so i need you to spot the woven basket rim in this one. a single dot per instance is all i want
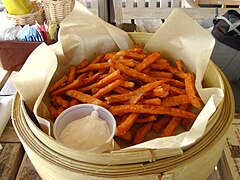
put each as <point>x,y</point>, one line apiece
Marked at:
<point>23,15</point>
<point>58,1</point>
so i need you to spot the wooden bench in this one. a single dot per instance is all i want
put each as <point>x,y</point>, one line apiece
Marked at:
<point>129,11</point>
<point>222,3</point>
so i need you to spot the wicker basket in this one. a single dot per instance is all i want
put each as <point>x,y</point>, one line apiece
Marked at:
<point>57,10</point>
<point>31,18</point>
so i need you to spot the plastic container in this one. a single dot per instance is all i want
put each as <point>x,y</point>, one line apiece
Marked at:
<point>80,111</point>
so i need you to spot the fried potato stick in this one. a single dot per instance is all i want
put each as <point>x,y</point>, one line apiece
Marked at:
<point>126,125</point>
<point>58,83</point>
<point>72,73</point>
<point>161,123</point>
<point>142,132</point>
<point>146,119</point>
<point>86,98</point>
<point>147,61</point>
<point>73,102</point>
<point>62,102</point>
<point>151,109</point>
<point>82,64</point>
<point>126,96</point>
<point>98,59</point>
<point>152,101</point>
<point>175,100</point>
<point>103,82</point>
<point>121,90</point>
<point>92,67</point>
<point>174,123</point>
<point>91,79</point>
<point>180,65</point>
<point>128,62</point>
<point>127,84</point>
<point>160,74</point>
<point>132,72</point>
<point>134,55</point>
<point>77,83</point>
<point>177,73</point>
<point>108,88</point>
<point>176,91</point>
<point>189,85</point>
<point>136,98</point>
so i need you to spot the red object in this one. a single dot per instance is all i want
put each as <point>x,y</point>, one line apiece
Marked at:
<point>13,54</point>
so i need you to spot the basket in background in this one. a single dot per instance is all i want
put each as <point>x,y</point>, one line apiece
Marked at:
<point>57,10</point>
<point>37,15</point>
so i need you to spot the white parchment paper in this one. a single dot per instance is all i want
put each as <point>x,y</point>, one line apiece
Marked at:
<point>83,35</point>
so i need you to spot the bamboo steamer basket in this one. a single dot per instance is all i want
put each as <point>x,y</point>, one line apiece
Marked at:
<point>53,161</point>
<point>198,161</point>
<point>212,79</point>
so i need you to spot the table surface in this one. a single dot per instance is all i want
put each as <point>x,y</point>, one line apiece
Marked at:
<point>14,162</point>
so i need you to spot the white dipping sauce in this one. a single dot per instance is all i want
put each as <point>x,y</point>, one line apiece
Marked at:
<point>86,133</point>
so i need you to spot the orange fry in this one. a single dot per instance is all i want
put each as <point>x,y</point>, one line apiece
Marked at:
<point>127,84</point>
<point>136,98</point>
<point>174,82</point>
<point>177,73</point>
<point>62,102</point>
<point>72,73</point>
<point>142,132</point>
<point>152,101</point>
<point>126,125</point>
<point>189,85</point>
<point>82,64</point>
<point>126,96</point>
<point>147,61</point>
<point>160,124</point>
<point>92,67</point>
<point>108,88</point>
<point>98,59</point>
<point>132,72</point>
<point>180,66</point>
<point>159,66</point>
<point>127,137</point>
<point>57,84</point>
<point>175,100</point>
<point>109,55</point>
<point>160,91</point>
<point>85,98</point>
<point>146,119</point>
<point>90,74</point>
<point>160,74</point>
<point>73,102</point>
<point>134,55</point>
<point>174,123</point>
<point>128,62</point>
<point>91,79</point>
<point>176,91</point>
<point>103,82</point>
<point>121,90</point>
<point>77,83</point>
<point>151,109</point>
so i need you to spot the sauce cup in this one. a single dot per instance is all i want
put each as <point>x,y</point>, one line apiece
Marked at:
<point>80,111</point>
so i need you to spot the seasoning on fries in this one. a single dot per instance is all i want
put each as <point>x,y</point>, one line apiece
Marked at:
<point>144,91</point>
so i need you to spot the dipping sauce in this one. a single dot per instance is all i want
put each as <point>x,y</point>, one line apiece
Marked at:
<point>86,133</point>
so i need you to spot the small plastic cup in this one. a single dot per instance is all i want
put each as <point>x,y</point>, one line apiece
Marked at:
<point>79,111</point>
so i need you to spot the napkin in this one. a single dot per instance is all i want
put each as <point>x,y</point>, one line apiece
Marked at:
<point>6,98</point>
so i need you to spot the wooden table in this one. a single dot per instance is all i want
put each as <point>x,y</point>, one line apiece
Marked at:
<point>14,162</point>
